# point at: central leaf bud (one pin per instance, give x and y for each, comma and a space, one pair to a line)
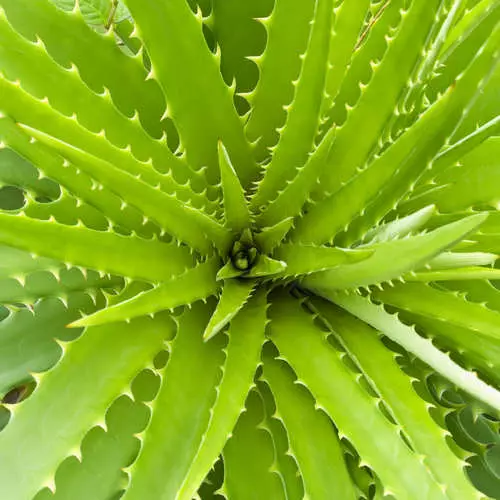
243, 256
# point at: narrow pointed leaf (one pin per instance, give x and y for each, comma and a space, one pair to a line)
423, 299
38, 114
40, 75
307, 259
400, 227
285, 465
192, 285
176, 431
39, 351
297, 137
335, 386
183, 222
459, 273
313, 441
104, 251
450, 260
271, 237
235, 294
460, 148
108, 67
87, 380
392, 259
288, 29
348, 22
74, 180
250, 457
246, 336
236, 210
165, 27
266, 266
408, 338
395, 388
291, 200
378, 100
378, 188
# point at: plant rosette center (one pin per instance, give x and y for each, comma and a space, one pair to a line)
243, 257
246, 260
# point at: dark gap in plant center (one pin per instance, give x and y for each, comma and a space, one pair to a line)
243, 255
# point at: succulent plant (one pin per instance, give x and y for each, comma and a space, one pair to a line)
247, 249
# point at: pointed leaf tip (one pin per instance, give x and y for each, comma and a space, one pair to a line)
271, 237
236, 212
266, 267
235, 294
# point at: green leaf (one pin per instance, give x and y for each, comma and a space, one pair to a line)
380, 22
478, 291
394, 258
270, 237
38, 74
108, 68
164, 28
73, 179
465, 28
16, 171
104, 453
447, 260
235, 294
288, 29
14, 262
290, 201
285, 465
240, 35
464, 273
307, 259
86, 380
298, 134
413, 100
378, 99
335, 387
236, 212
406, 336
38, 115
442, 305
313, 440
388, 178
266, 266
410, 411
249, 457
185, 223
193, 284
400, 228
348, 22
61, 282
246, 336
176, 431
483, 353
472, 183
459, 149
38, 328
129, 256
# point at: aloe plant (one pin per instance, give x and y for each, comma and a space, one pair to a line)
248, 249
